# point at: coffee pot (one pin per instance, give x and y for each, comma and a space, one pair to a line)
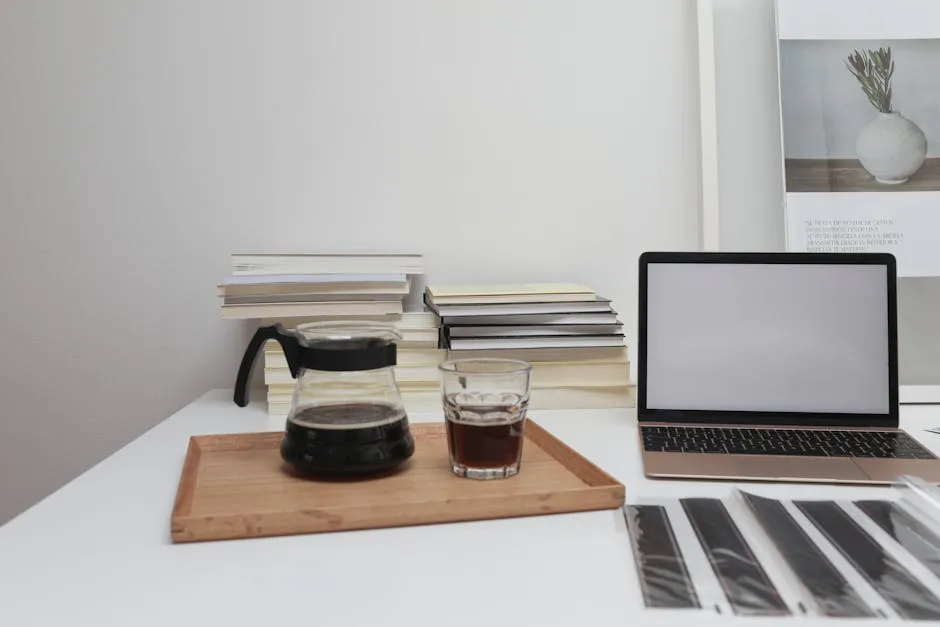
346, 414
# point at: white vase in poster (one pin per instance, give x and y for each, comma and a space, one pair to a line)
891, 147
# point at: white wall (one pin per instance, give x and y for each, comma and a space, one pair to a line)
143, 142
824, 106
750, 171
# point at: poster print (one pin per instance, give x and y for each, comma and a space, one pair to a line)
860, 114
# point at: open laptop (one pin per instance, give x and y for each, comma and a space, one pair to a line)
772, 367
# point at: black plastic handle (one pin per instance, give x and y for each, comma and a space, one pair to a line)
288, 340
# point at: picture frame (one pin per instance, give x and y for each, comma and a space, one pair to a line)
860, 130
846, 21
733, 216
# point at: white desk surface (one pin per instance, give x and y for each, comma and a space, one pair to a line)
97, 552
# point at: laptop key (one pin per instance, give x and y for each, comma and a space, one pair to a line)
798, 442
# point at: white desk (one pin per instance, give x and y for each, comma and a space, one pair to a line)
97, 552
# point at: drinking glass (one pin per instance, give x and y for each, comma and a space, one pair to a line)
485, 403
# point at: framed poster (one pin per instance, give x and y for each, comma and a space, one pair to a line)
739, 91
860, 127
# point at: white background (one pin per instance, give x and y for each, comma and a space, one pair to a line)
824, 107
143, 142
750, 169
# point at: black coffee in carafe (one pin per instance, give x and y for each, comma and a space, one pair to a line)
346, 417
347, 439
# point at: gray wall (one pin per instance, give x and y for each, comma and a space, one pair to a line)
142, 142
824, 106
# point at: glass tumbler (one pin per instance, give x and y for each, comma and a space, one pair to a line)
485, 403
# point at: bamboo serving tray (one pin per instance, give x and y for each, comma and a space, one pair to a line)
236, 486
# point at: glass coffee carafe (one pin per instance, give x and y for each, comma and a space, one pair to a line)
346, 414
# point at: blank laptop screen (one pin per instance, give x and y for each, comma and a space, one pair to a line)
767, 337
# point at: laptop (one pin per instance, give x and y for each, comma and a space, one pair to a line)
772, 367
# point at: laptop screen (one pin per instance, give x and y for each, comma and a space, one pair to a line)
768, 337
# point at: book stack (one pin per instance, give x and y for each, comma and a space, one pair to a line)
294, 289
317, 284
572, 337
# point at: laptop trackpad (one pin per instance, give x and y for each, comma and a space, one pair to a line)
765, 467
782, 468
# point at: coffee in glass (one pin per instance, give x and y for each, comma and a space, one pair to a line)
485, 403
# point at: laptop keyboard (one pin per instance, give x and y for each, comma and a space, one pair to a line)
798, 442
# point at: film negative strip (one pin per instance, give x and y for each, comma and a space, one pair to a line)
912, 534
833, 595
664, 577
745, 583
901, 590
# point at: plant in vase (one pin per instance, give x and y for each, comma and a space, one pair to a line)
890, 147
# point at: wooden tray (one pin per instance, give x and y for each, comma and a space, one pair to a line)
235, 486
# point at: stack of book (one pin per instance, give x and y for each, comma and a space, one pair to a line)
293, 289
572, 337
317, 284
